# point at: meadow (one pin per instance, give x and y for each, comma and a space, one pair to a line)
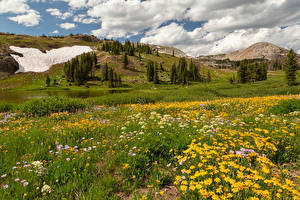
228, 148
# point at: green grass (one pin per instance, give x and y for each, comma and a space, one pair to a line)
129, 151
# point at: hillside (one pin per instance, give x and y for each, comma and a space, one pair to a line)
261, 50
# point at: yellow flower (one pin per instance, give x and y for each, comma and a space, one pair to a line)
25, 194
183, 188
150, 186
87, 164
125, 166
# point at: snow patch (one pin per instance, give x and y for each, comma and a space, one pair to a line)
34, 60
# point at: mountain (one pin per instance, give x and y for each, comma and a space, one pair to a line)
169, 50
261, 50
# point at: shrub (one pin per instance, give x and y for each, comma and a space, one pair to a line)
286, 106
46, 106
5, 107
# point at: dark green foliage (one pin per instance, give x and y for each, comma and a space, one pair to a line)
5, 107
252, 72
46, 106
291, 68
155, 74
55, 82
110, 78
277, 65
173, 74
48, 81
78, 69
125, 61
184, 72
173, 53
150, 70
285, 107
114, 79
115, 47
105, 72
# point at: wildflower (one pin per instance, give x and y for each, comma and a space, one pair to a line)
25, 195
25, 184
4, 175
5, 186
17, 179
125, 166
46, 188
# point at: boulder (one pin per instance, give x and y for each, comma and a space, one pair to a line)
8, 65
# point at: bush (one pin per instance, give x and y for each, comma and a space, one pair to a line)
286, 106
5, 107
46, 106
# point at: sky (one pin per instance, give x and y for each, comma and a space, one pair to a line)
197, 27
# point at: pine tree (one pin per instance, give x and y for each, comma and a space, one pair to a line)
155, 74
110, 78
291, 68
242, 72
173, 75
105, 73
173, 53
48, 81
150, 70
125, 61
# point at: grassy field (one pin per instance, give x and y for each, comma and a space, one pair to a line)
236, 148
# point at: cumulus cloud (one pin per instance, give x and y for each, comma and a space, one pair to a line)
84, 19
201, 42
55, 32
68, 26
56, 12
26, 15
32, 18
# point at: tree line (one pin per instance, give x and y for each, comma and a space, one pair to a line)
252, 72
81, 68
113, 78
115, 47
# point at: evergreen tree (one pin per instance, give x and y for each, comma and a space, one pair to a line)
291, 68
173, 74
125, 61
48, 81
173, 53
105, 73
150, 70
110, 78
242, 72
155, 74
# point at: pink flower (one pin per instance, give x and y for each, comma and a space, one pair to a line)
3, 176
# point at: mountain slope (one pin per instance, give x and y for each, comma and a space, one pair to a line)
261, 50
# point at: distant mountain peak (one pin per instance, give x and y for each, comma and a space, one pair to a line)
260, 50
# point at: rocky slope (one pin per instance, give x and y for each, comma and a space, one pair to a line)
169, 50
261, 50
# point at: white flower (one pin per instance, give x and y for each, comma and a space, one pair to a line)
37, 164
46, 188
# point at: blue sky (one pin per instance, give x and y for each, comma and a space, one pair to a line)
196, 27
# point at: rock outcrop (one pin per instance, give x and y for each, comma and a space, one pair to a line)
8, 65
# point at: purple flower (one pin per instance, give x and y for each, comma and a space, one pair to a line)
4, 175
17, 179
23, 181
25, 184
5, 186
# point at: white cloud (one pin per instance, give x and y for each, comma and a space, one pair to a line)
201, 42
55, 32
84, 19
26, 15
68, 26
56, 12
32, 18
13, 6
